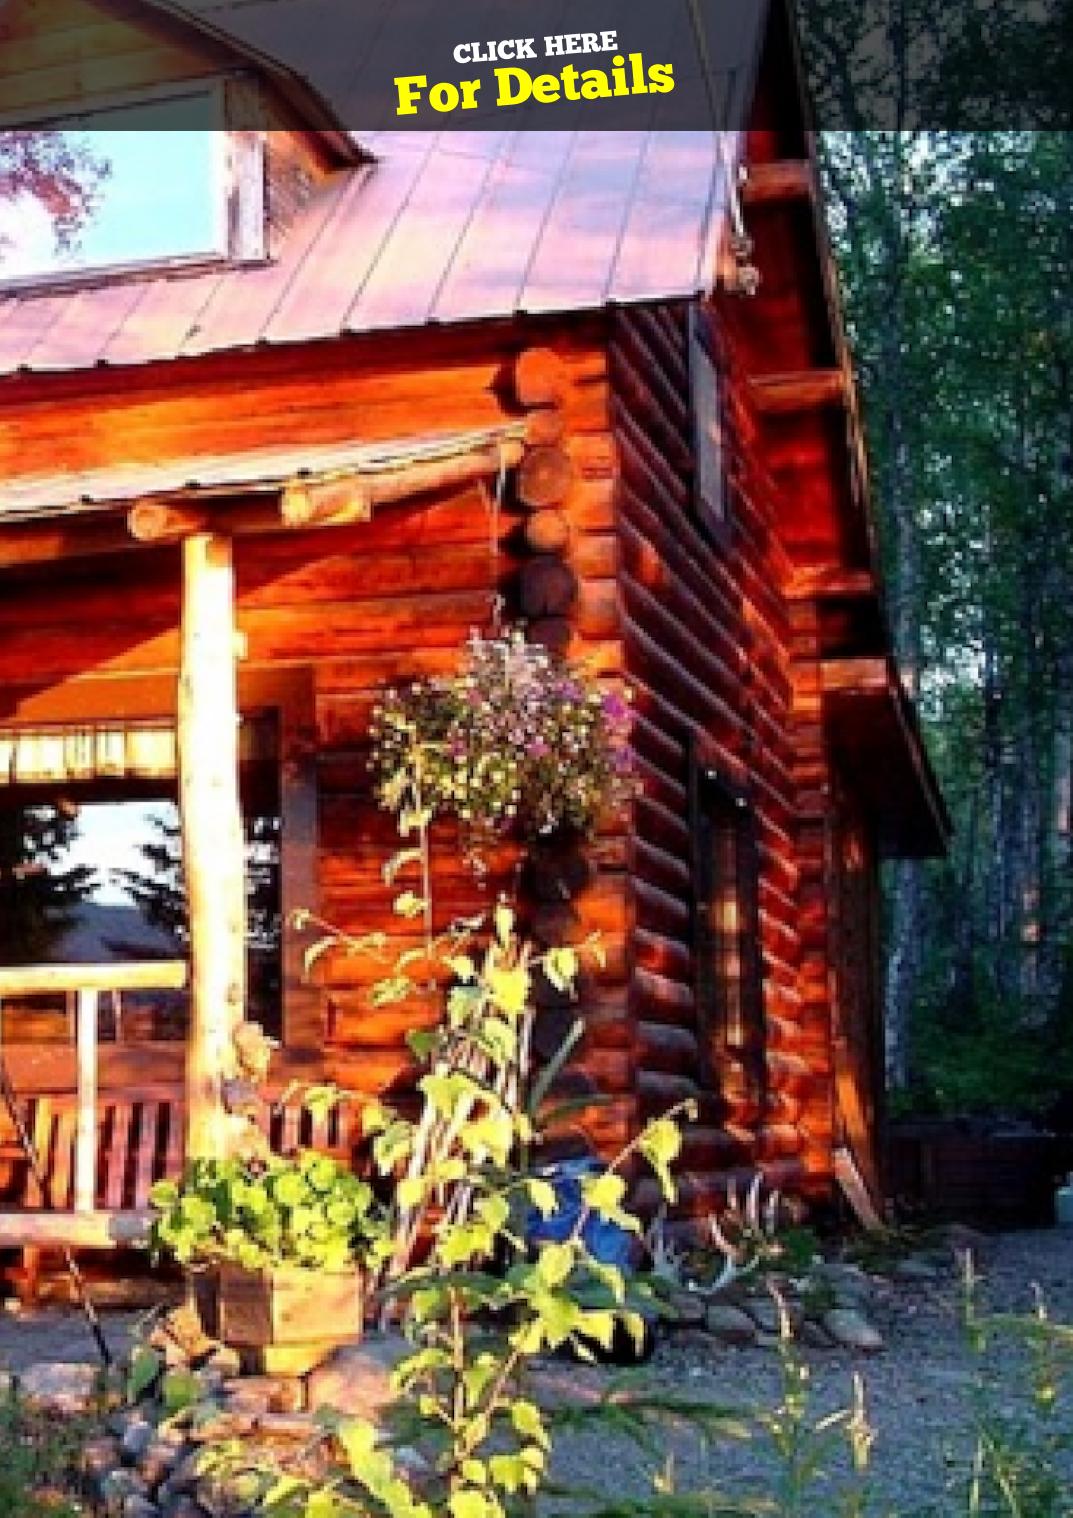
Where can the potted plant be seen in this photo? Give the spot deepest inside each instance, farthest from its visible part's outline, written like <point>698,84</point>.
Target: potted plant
<point>277,1251</point>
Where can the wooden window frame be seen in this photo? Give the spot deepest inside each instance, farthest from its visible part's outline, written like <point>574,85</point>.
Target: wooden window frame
<point>289,692</point>
<point>712,501</point>
<point>710,792</point>
<point>239,190</point>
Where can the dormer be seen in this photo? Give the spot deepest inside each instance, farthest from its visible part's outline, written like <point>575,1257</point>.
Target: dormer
<point>136,138</point>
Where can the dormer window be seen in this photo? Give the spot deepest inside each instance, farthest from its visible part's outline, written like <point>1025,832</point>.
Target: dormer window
<point>139,184</point>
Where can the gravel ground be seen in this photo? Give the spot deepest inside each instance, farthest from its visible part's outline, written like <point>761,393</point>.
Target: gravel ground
<point>921,1390</point>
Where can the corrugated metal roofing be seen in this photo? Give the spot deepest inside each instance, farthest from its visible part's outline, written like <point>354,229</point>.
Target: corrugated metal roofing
<point>253,470</point>
<point>442,227</point>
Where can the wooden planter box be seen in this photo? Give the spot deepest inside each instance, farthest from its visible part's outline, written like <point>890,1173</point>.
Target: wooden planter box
<point>284,1320</point>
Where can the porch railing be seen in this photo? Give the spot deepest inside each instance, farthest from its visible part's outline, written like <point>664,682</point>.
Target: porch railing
<point>87,983</point>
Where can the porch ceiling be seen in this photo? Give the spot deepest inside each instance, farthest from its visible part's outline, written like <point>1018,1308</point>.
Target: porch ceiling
<point>250,472</point>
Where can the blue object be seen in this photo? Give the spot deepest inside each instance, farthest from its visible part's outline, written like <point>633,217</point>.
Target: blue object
<point>607,1242</point>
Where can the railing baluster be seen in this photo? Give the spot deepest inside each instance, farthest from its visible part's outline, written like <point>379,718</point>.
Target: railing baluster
<point>86,1131</point>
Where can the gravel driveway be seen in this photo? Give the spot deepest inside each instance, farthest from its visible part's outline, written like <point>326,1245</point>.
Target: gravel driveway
<point>921,1390</point>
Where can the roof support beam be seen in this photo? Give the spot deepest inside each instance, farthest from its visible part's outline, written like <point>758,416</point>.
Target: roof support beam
<point>784,181</point>
<point>803,390</point>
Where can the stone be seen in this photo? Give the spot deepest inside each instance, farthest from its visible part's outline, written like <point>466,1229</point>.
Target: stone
<point>815,1335</point>
<point>767,1314</point>
<point>137,1506</point>
<point>269,1394</point>
<point>181,1507</point>
<point>180,1334</point>
<point>687,1308</point>
<point>99,1457</point>
<point>356,1379</point>
<point>852,1330</point>
<point>915,1272</point>
<point>729,1324</point>
<point>116,1487</point>
<point>224,1360</point>
<point>850,1284</point>
<point>158,1462</point>
<point>137,1438</point>
<point>64,1390</point>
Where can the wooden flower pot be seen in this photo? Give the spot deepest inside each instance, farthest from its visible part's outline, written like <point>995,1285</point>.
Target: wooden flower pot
<point>283,1320</point>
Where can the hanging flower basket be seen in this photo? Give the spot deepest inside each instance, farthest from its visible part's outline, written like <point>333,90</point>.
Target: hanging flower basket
<point>516,742</point>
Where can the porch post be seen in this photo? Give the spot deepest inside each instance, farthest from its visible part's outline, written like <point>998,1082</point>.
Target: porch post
<point>213,850</point>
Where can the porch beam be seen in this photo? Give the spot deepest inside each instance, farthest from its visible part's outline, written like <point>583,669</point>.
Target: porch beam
<point>85,1192</point>
<point>213,853</point>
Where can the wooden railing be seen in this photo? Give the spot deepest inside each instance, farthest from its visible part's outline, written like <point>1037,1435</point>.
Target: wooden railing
<point>87,983</point>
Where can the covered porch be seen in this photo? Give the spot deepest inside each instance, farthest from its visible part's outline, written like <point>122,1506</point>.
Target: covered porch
<point>108,1109</point>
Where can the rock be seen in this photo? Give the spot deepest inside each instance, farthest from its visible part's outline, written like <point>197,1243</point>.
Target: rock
<point>729,1324</point>
<point>181,1507</point>
<point>850,1285</point>
<point>116,1488</point>
<point>137,1506</point>
<point>269,1394</point>
<point>136,1439</point>
<point>769,1341</point>
<point>65,1390</point>
<point>99,1457</point>
<point>815,1335</point>
<point>916,1272</point>
<point>768,1314</point>
<point>957,1239</point>
<point>158,1462</point>
<point>224,1360</point>
<point>852,1330</point>
<point>356,1379</point>
<point>687,1307</point>
<point>180,1336</point>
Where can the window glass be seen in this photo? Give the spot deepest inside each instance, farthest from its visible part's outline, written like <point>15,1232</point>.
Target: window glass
<point>727,931</point>
<point>91,873</point>
<point>709,430</point>
<point>132,185</point>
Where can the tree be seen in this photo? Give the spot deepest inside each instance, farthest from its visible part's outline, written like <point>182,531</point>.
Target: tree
<point>38,893</point>
<point>57,169</point>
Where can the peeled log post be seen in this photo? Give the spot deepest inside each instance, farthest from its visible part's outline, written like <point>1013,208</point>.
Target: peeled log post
<point>213,850</point>
<point>547,532</point>
<point>547,587</point>
<point>540,378</point>
<point>545,477</point>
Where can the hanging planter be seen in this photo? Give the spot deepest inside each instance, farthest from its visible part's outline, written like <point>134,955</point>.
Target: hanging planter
<point>515,743</point>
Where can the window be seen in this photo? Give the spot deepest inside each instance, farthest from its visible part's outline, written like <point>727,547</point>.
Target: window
<point>155,182</point>
<point>711,501</point>
<point>727,930</point>
<point>91,869</point>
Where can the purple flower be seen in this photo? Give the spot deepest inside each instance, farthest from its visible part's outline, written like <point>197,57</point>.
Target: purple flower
<point>615,709</point>
<point>537,749</point>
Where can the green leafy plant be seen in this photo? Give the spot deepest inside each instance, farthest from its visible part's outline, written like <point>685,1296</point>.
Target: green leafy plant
<point>257,1212</point>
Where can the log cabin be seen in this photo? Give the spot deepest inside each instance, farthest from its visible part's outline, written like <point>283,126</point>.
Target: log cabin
<point>288,422</point>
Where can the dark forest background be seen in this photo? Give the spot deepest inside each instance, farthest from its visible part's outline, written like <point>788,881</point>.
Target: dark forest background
<point>956,259</point>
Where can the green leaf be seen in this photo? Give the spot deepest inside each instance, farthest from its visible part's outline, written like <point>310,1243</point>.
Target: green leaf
<point>542,1195</point>
<point>145,1366</point>
<point>553,1069</point>
<point>604,1195</point>
<point>472,1504</point>
<point>661,1144</point>
<point>554,1263</point>
<point>410,1191</point>
<point>164,1195</point>
<point>180,1389</point>
<point>509,990</point>
<point>529,1422</point>
<point>461,966</point>
<point>504,924</point>
<point>409,905</point>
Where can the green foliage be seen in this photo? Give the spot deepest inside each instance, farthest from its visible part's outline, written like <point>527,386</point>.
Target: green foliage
<point>310,1211</point>
<point>37,1465</point>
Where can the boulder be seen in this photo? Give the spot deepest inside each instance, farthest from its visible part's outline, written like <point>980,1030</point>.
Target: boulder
<point>62,1389</point>
<point>137,1437</point>
<point>767,1314</point>
<point>356,1379</point>
<point>915,1272</point>
<point>729,1324</point>
<point>851,1330</point>
<point>687,1308</point>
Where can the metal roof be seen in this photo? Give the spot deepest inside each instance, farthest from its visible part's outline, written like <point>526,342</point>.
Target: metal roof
<point>441,227</point>
<point>246,472</point>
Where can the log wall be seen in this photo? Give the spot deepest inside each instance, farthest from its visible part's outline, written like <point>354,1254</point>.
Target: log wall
<point>708,650</point>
